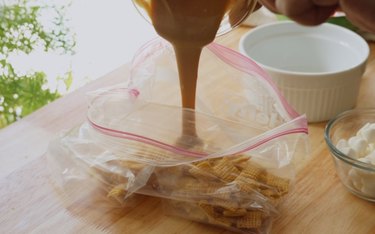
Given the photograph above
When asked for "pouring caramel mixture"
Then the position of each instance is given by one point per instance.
(189, 25)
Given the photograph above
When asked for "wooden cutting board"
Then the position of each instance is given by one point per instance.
(30, 201)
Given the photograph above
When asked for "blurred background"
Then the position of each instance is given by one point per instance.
(51, 47)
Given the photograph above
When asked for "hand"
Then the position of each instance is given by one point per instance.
(312, 12)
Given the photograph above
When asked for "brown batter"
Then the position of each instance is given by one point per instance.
(189, 25)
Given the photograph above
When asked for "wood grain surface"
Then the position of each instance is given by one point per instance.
(30, 202)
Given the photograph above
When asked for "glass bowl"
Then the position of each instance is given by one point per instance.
(238, 11)
(357, 176)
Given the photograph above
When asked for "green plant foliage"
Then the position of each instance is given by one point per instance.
(22, 31)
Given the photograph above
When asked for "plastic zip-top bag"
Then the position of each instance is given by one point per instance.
(230, 162)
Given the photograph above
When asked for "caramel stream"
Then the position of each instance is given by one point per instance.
(189, 25)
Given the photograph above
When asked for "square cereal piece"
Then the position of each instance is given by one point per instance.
(239, 159)
(202, 173)
(235, 213)
(226, 204)
(252, 171)
(226, 171)
(253, 219)
(246, 183)
(118, 192)
(281, 184)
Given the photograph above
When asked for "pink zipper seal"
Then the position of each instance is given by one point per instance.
(247, 65)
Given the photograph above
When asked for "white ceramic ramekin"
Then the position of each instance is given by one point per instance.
(318, 69)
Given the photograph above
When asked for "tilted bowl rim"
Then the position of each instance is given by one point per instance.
(300, 28)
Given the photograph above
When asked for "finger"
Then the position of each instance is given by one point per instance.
(257, 6)
(270, 5)
(325, 2)
(360, 12)
(305, 11)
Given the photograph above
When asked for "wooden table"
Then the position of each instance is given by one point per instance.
(29, 202)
